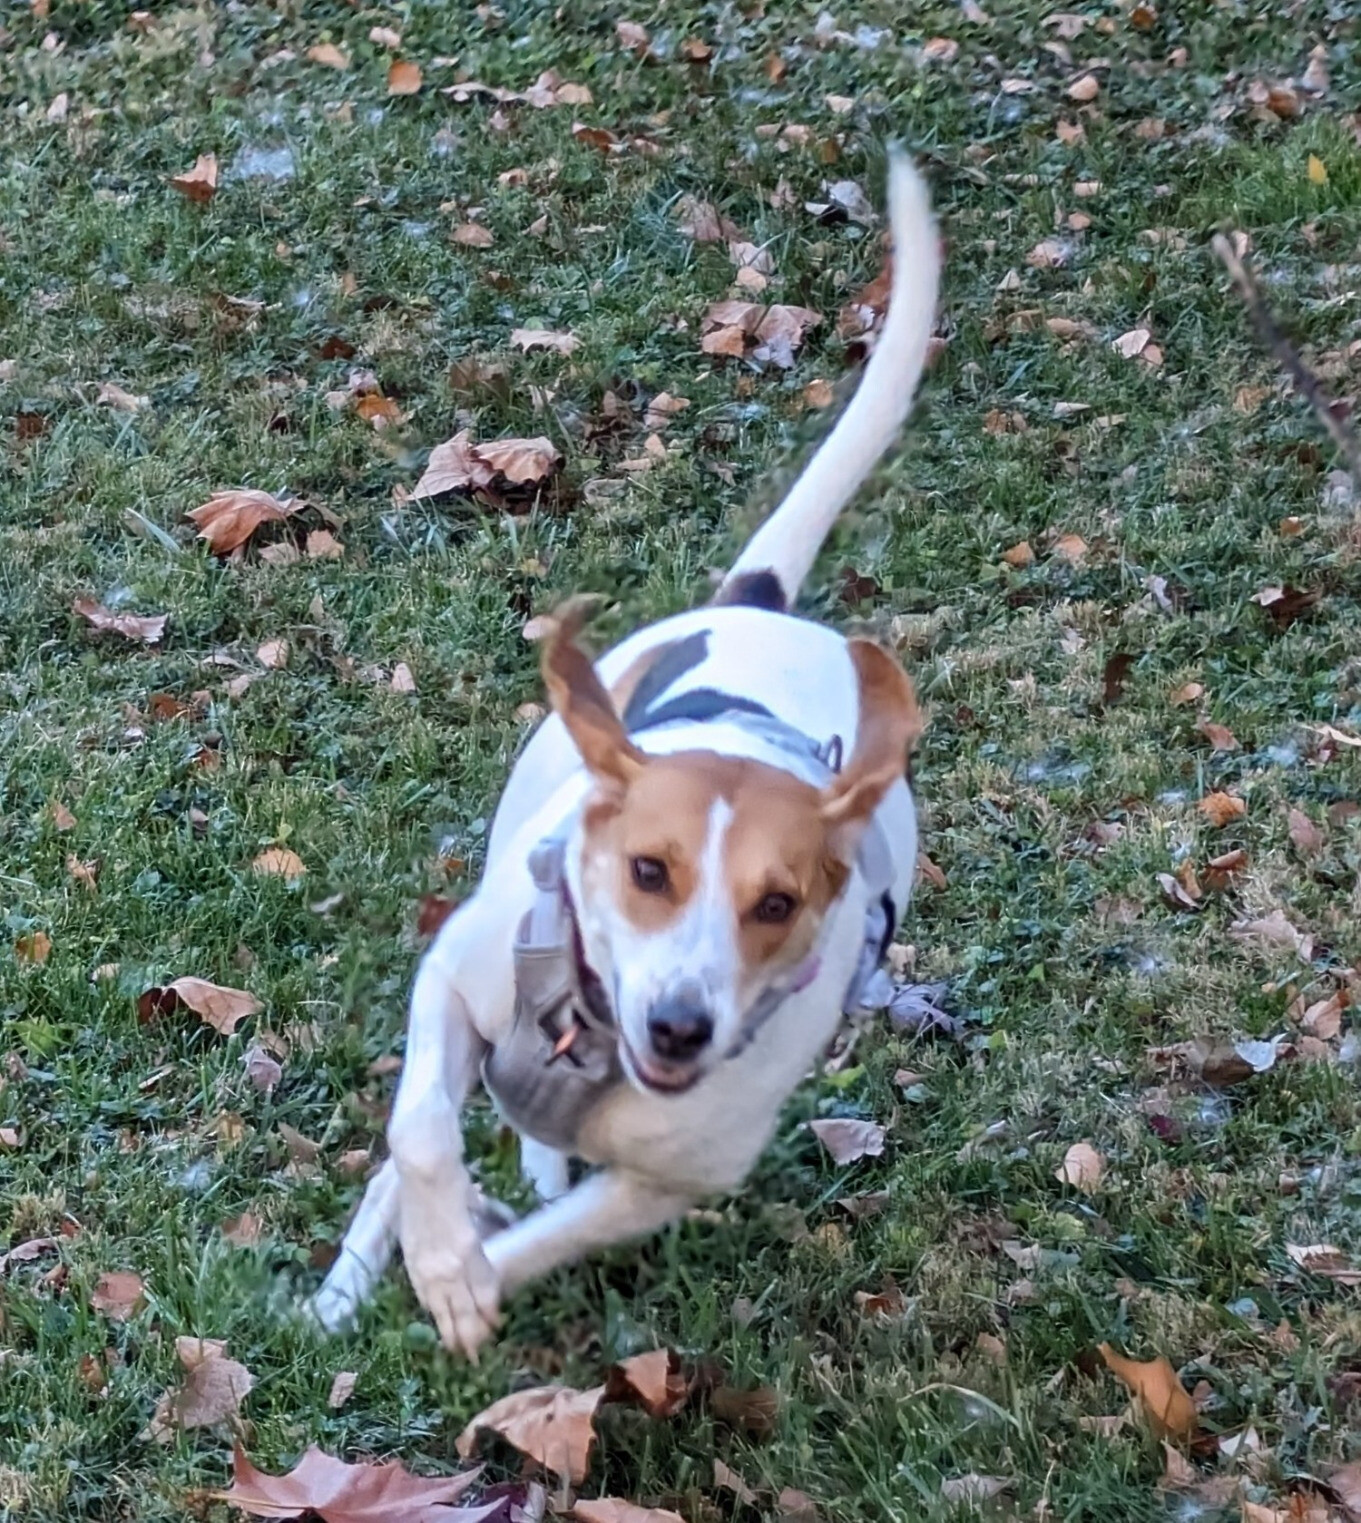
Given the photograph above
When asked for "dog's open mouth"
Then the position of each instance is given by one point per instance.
(661, 1081)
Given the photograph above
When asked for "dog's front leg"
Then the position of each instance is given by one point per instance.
(610, 1207)
(444, 1255)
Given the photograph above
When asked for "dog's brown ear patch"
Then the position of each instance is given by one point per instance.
(580, 700)
(889, 727)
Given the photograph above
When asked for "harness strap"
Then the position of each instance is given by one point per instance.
(561, 1054)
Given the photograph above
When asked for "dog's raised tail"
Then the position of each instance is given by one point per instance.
(780, 554)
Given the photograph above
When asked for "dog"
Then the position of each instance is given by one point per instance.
(696, 865)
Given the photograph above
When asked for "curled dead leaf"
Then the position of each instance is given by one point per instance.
(552, 1425)
(1164, 1401)
(404, 77)
(278, 862)
(229, 518)
(655, 1378)
(1221, 809)
(341, 1493)
(614, 1510)
(221, 1008)
(1308, 839)
(544, 338)
(1082, 1167)
(146, 628)
(848, 1140)
(33, 947)
(199, 183)
(1324, 1260)
(118, 1295)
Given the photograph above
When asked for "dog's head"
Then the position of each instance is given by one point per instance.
(705, 879)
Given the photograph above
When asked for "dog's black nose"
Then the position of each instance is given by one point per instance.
(679, 1026)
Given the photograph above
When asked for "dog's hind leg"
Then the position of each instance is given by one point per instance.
(606, 1208)
(545, 1168)
(364, 1253)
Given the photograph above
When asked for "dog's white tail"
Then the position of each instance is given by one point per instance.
(783, 549)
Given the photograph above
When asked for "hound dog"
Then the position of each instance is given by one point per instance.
(695, 866)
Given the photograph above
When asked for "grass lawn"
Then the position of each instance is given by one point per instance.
(1075, 695)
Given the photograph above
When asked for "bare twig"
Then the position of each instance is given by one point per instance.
(1305, 381)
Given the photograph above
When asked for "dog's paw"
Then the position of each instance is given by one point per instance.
(457, 1285)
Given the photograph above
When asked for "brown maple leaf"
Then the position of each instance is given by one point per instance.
(146, 628)
(118, 1295)
(221, 1008)
(847, 1140)
(654, 1378)
(229, 518)
(553, 1425)
(199, 183)
(341, 1493)
(1168, 1407)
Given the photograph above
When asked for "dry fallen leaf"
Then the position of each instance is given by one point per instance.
(1167, 1405)
(972, 1490)
(200, 182)
(404, 77)
(755, 1412)
(1071, 548)
(1132, 344)
(322, 545)
(459, 464)
(262, 1069)
(119, 1295)
(212, 1390)
(1020, 555)
(552, 1425)
(1086, 87)
(521, 461)
(1187, 693)
(473, 235)
(278, 862)
(402, 681)
(273, 654)
(655, 1378)
(341, 1493)
(1082, 1167)
(342, 1388)
(1308, 838)
(111, 395)
(1346, 1482)
(147, 628)
(228, 519)
(776, 330)
(613, 1510)
(727, 1479)
(661, 409)
(1326, 1261)
(1221, 738)
(847, 1140)
(62, 818)
(329, 56)
(544, 338)
(244, 1231)
(1221, 809)
(221, 1008)
(34, 947)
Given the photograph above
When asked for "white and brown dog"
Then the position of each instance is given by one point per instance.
(686, 885)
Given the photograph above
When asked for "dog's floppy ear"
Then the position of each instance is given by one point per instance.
(580, 699)
(887, 732)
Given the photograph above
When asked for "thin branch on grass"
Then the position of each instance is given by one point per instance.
(1304, 379)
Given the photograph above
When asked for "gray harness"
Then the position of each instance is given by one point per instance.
(561, 1054)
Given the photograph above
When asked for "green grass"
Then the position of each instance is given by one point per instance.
(108, 275)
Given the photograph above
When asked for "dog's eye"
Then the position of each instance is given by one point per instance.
(775, 909)
(650, 875)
